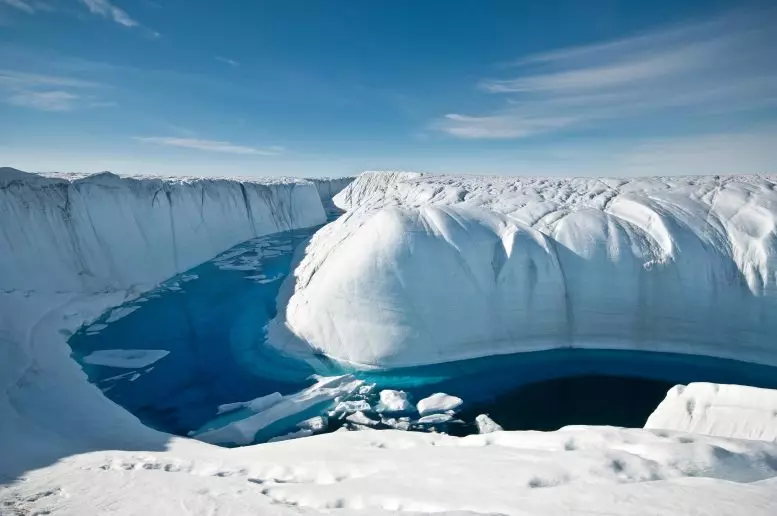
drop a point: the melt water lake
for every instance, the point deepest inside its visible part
(211, 323)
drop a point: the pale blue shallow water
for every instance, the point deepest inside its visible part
(212, 321)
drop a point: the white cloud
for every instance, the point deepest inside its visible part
(20, 4)
(228, 61)
(212, 145)
(720, 67)
(106, 9)
(44, 100)
(48, 92)
(13, 78)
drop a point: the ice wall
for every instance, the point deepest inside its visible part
(427, 269)
(722, 410)
(105, 232)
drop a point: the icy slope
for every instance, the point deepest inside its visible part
(722, 410)
(98, 232)
(427, 269)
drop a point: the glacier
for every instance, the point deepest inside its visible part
(90, 246)
(425, 269)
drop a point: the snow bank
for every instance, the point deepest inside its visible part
(722, 410)
(428, 269)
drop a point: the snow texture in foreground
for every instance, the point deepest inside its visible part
(722, 410)
(603, 471)
(428, 269)
(125, 358)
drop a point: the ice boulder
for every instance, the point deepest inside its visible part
(392, 401)
(438, 403)
(721, 410)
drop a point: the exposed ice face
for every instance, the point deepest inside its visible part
(88, 234)
(432, 269)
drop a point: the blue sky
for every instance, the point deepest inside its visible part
(292, 87)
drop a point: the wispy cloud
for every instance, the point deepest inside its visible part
(45, 100)
(108, 10)
(22, 5)
(212, 145)
(717, 66)
(48, 92)
(228, 61)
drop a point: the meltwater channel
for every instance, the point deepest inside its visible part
(198, 341)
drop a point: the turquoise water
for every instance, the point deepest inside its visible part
(212, 321)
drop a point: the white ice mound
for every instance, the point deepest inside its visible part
(437, 403)
(392, 401)
(721, 410)
(486, 266)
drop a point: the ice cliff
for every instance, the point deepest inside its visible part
(98, 232)
(426, 269)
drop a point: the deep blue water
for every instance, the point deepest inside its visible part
(212, 321)
(212, 326)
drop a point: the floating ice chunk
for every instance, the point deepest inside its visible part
(402, 423)
(256, 405)
(433, 419)
(486, 425)
(438, 402)
(393, 401)
(95, 328)
(134, 377)
(264, 402)
(351, 406)
(314, 424)
(293, 435)
(359, 419)
(321, 394)
(125, 358)
(120, 313)
(366, 389)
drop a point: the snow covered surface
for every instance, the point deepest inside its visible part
(67, 450)
(721, 410)
(427, 269)
(577, 470)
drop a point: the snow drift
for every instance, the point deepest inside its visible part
(428, 269)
